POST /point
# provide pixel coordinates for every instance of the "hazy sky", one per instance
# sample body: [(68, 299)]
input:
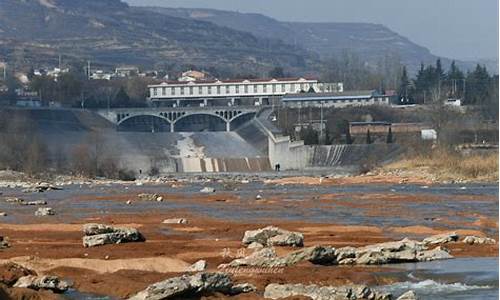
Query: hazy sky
[(464, 29)]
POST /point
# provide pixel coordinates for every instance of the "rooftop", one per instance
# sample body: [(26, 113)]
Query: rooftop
[(258, 80), (330, 96)]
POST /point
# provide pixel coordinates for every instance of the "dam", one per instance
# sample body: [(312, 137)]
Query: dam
[(252, 143)]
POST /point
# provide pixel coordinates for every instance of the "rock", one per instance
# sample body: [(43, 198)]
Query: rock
[(242, 288), (11, 272), (258, 197), (207, 190), (52, 283), (175, 221), (474, 240), (322, 255), (128, 202), (33, 203), (44, 211), (437, 253), (273, 236), (93, 229), (14, 200), (410, 295), (3, 214), (99, 234), (265, 257), (150, 197), (315, 292), (441, 239), (345, 253), (4, 244), (186, 286), (198, 266), (41, 187), (255, 245)]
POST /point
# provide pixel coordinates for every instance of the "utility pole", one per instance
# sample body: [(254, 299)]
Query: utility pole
[(60, 62), (88, 70), (321, 123)]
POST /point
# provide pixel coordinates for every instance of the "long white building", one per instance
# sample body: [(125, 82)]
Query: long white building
[(261, 89)]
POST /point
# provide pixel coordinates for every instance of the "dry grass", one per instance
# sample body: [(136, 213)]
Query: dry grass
[(450, 165)]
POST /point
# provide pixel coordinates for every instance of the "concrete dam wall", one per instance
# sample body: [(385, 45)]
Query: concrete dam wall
[(64, 130), (294, 155)]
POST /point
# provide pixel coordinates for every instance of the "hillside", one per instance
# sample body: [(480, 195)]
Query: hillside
[(111, 32), (371, 42)]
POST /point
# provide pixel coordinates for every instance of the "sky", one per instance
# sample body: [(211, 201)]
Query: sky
[(459, 29)]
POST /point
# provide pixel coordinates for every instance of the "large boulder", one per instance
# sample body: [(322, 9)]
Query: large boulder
[(475, 240), (315, 292), (322, 255), (52, 283), (265, 257), (100, 234), (44, 211), (410, 295), (198, 266), (190, 286), (273, 236), (11, 272), (398, 252), (383, 253), (441, 239), (207, 190), (4, 244), (150, 197)]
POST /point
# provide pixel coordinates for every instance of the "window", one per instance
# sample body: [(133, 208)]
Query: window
[(227, 89), (264, 86), (274, 88), (164, 91), (182, 90), (237, 89), (292, 87), (200, 90), (155, 91), (209, 90), (254, 88), (218, 90), (283, 88), (191, 90), (172, 90), (246, 89)]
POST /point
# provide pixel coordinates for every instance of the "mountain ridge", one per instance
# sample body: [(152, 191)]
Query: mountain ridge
[(328, 39)]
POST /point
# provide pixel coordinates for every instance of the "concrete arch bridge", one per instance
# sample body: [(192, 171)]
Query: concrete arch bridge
[(181, 119)]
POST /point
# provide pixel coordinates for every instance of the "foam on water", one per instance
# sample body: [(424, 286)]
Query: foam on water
[(431, 287)]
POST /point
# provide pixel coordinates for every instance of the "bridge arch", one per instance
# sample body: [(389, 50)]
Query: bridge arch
[(145, 123), (236, 121), (200, 122)]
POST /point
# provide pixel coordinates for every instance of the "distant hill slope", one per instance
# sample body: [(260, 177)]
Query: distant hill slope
[(371, 42), (111, 32)]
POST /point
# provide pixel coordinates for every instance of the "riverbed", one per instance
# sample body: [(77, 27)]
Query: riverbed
[(334, 214)]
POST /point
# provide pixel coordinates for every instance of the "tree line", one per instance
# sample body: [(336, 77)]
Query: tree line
[(433, 84)]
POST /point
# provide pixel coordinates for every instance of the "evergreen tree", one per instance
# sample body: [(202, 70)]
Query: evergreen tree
[(368, 137), (455, 81), (478, 85), (439, 72), (389, 136), (121, 99), (404, 86)]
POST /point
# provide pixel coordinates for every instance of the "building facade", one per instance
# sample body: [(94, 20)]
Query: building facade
[(336, 99), (259, 89)]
